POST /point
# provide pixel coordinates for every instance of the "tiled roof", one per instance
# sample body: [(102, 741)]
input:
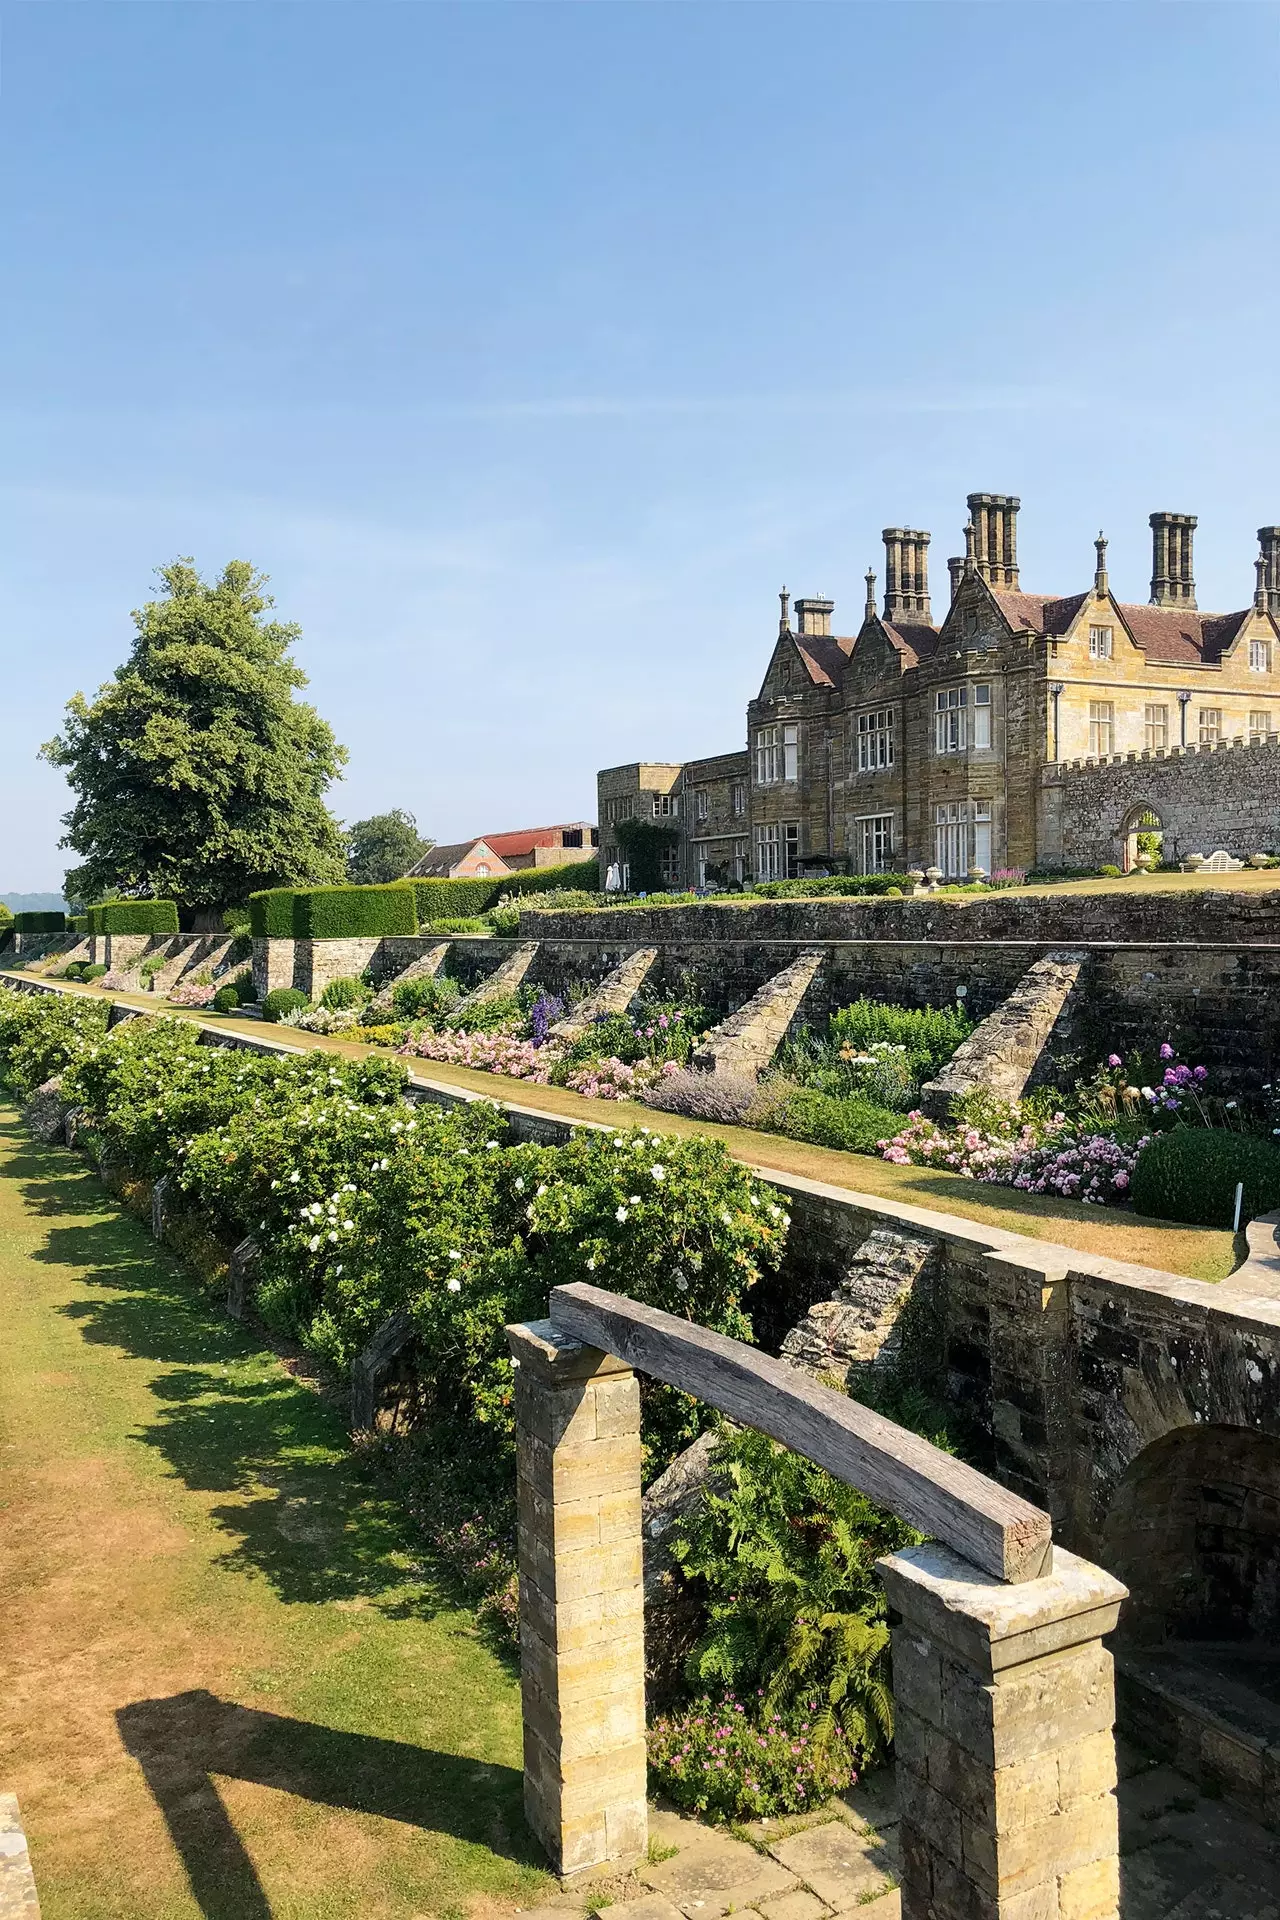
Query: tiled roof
[(439, 861), (1179, 635), (525, 839), (914, 643), (824, 655), (1050, 614)]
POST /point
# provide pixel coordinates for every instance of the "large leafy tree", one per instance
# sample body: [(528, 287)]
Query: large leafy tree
[(383, 847), (198, 773)]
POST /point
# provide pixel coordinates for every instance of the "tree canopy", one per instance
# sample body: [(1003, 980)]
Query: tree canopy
[(383, 848), (197, 772)]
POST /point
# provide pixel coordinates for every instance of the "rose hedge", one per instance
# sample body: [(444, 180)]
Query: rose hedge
[(364, 1203)]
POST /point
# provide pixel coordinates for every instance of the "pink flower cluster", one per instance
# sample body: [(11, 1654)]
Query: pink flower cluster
[(613, 1079), (488, 1053), (193, 994), (1093, 1168), (976, 1155)]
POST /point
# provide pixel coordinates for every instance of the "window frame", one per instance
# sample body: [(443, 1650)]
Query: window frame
[(1102, 714), (874, 745), (1260, 656), (875, 841), (1101, 643), (1257, 735), (950, 713), (1209, 722), (1150, 727)]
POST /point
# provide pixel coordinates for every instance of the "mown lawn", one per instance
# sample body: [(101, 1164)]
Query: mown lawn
[(228, 1686)]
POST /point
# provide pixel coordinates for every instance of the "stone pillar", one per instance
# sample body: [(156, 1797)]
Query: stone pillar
[(1032, 1379), (1004, 1701), (581, 1600)]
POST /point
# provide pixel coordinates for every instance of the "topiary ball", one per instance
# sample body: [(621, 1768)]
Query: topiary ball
[(282, 1000), (1191, 1174)]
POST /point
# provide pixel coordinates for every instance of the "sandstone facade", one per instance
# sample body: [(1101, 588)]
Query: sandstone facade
[(915, 744)]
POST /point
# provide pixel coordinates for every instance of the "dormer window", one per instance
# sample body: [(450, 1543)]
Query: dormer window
[(1100, 643), (1260, 656)]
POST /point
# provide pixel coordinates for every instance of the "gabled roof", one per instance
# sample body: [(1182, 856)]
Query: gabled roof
[(1180, 635), (525, 839), (913, 643), (1045, 613), (824, 656), (438, 861)]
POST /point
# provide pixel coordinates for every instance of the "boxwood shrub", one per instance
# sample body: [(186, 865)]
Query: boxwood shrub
[(225, 1000), (1191, 1174), (282, 1000), (846, 884)]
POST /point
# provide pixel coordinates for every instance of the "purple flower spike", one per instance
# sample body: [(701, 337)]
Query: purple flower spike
[(1166, 1051), (1113, 1059), (1202, 1073)]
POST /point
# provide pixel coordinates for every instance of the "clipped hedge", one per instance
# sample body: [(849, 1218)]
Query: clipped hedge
[(271, 913), (133, 916), (39, 922), (464, 899), (333, 913), (1191, 1174)]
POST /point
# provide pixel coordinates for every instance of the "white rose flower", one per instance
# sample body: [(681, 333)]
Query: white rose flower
[(658, 1171), (620, 1215), (455, 1286), (314, 1243)]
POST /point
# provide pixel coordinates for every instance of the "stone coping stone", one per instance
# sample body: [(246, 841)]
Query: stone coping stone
[(17, 1882), (992, 1624)]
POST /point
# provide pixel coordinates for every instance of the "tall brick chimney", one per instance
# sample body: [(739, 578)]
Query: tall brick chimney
[(1173, 582), (995, 535), (955, 567), (814, 616), (906, 575), (1269, 542)]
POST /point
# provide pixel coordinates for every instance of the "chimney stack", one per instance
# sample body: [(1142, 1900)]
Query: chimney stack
[(906, 575), (1269, 542), (814, 616), (955, 567), (995, 533), (1173, 581)]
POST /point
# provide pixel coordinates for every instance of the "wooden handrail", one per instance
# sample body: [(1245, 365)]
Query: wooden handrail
[(995, 1530)]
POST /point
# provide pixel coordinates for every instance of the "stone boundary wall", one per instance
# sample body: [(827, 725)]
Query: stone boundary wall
[(1221, 1000), (1065, 919), (1207, 797)]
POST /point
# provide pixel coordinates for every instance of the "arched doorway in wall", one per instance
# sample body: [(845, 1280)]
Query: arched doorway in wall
[(1143, 834), (1194, 1533)]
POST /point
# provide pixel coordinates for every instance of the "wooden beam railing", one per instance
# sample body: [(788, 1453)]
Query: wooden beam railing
[(994, 1530)]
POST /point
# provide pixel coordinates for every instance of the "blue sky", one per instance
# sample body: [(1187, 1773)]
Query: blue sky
[(531, 348)]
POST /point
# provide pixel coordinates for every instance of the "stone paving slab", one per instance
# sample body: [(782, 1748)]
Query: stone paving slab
[(799, 1904), (654, 1906), (838, 1864), (710, 1873)]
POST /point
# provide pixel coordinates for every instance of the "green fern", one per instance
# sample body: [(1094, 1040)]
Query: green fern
[(785, 1558)]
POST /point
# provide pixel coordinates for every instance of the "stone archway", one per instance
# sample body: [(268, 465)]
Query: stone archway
[(1143, 832), (1194, 1530)]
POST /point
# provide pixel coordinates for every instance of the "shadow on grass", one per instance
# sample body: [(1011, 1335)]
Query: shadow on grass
[(231, 1419), (182, 1741)]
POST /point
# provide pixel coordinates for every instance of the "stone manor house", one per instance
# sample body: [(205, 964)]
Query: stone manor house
[(1020, 730)]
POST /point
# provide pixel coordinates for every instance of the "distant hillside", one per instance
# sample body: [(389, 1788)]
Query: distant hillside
[(33, 902)]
